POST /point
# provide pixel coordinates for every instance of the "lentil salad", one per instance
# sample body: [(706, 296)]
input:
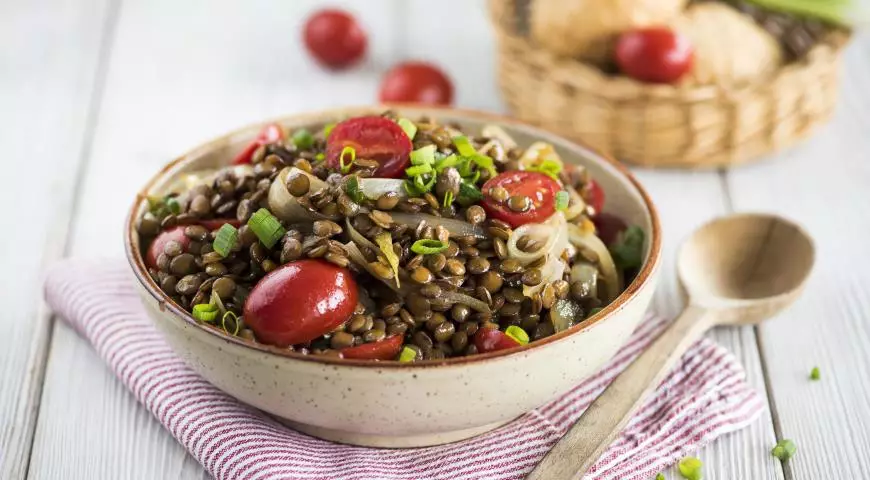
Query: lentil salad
[(385, 238)]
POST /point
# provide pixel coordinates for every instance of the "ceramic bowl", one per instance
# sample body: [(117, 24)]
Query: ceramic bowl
[(392, 404)]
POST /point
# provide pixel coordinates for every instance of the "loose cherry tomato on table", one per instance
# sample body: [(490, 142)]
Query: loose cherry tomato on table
[(334, 38), (608, 227), (386, 349), (538, 187), (160, 241), (372, 138), (300, 301), (492, 339), (416, 82), (269, 134), (658, 54), (595, 196)]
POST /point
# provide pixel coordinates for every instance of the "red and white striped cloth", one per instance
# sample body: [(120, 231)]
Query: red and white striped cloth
[(705, 396)]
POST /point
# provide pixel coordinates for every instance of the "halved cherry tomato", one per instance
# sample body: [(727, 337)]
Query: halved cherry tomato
[(492, 339), (595, 196), (608, 227), (160, 241), (656, 54), (271, 133), (386, 349), (334, 38), (416, 82), (373, 138), (538, 187), (300, 301)]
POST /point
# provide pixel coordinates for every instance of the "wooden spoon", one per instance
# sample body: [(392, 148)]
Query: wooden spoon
[(737, 270)]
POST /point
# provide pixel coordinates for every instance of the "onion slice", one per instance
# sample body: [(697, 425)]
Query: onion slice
[(373, 188), (358, 238), (609, 274), (497, 133), (468, 300), (457, 228), (285, 206)]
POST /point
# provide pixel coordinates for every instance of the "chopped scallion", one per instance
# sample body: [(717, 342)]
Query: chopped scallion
[(484, 162), (448, 199), (205, 312), (407, 354), (550, 168), (784, 449), (344, 163), (408, 126), (225, 240), (418, 170), (423, 156), (815, 373), (448, 161), (173, 205), (691, 468), (426, 246), (319, 157), (593, 311), (266, 227), (353, 190), (233, 320), (303, 139), (660, 476), (327, 129), (517, 334), (562, 200), (468, 194), (463, 146)]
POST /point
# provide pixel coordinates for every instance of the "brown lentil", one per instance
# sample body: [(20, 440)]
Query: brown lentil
[(561, 287), (475, 215), (436, 262), (532, 277), (499, 194), (183, 264), (511, 265), (492, 281), (387, 201), (216, 269), (224, 287), (430, 290), (298, 184), (341, 340), (374, 336), (455, 267)]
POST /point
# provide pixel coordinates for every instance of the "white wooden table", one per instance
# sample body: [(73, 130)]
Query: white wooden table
[(95, 95)]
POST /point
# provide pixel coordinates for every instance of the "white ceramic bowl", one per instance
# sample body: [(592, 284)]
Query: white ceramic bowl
[(394, 404)]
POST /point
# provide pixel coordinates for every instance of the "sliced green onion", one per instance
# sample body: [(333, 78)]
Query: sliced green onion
[(407, 354), (205, 312), (463, 146), (408, 126), (660, 476), (517, 334), (385, 243), (425, 246), (593, 311), (562, 200), (173, 205), (319, 157), (485, 163), (418, 170), (448, 161), (784, 449), (843, 12), (266, 227), (352, 188), (419, 185), (303, 139), (691, 468), (346, 166), (327, 129), (423, 156), (234, 319), (815, 373), (469, 194), (448, 199), (225, 240), (551, 168)]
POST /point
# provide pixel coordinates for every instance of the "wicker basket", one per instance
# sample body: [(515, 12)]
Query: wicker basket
[(661, 125)]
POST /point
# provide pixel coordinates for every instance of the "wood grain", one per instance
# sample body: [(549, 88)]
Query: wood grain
[(48, 65)]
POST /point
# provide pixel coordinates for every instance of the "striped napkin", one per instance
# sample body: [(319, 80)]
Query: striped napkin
[(705, 396)]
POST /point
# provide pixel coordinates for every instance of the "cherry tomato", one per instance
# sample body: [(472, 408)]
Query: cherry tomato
[(386, 349), (269, 134), (300, 301), (537, 186), (373, 138), (334, 38), (608, 227), (416, 82), (160, 241), (491, 339), (595, 196), (656, 54)]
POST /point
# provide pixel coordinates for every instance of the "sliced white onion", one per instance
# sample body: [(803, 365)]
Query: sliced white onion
[(609, 274), (373, 188), (358, 238), (356, 256), (538, 152), (284, 206), (457, 228), (464, 299), (496, 132), (576, 205)]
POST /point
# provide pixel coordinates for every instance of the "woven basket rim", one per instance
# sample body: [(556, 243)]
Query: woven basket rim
[(502, 15)]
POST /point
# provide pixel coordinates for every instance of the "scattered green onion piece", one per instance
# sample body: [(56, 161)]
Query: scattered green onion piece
[(353, 190), (426, 246), (815, 374), (385, 243), (319, 157), (660, 476), (419, 185), (463, 146), (517, 334), (173, 205), (408, 126), (448, 199), (346, 151), (225, 240), (407, 354), (418, 170), (550, 168), (448, 161), (691, 468), (154, 204), (327, 129), (423, 155), (233, 318), (303, 139), (784, 449), (266, 227), (469, 194), (205, 312), (593, 311), (562, 200), (843, 12), (484, 162)]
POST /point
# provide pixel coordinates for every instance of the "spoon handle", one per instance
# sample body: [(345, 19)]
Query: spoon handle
[(596, 429)]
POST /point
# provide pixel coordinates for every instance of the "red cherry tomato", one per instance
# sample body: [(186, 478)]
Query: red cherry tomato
[(657, 54), (373, 138), (608, 227), (491, 339), (540, 188), (300, 301), (334, 38), (416, 82), (595, 196), (386, 349), (269, 134), (160, 241)]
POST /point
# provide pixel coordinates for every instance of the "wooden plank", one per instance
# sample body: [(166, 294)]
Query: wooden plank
[(48, 70), (823, 185)]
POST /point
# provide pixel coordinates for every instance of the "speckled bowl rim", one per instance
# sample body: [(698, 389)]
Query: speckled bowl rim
[(134, 255)]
